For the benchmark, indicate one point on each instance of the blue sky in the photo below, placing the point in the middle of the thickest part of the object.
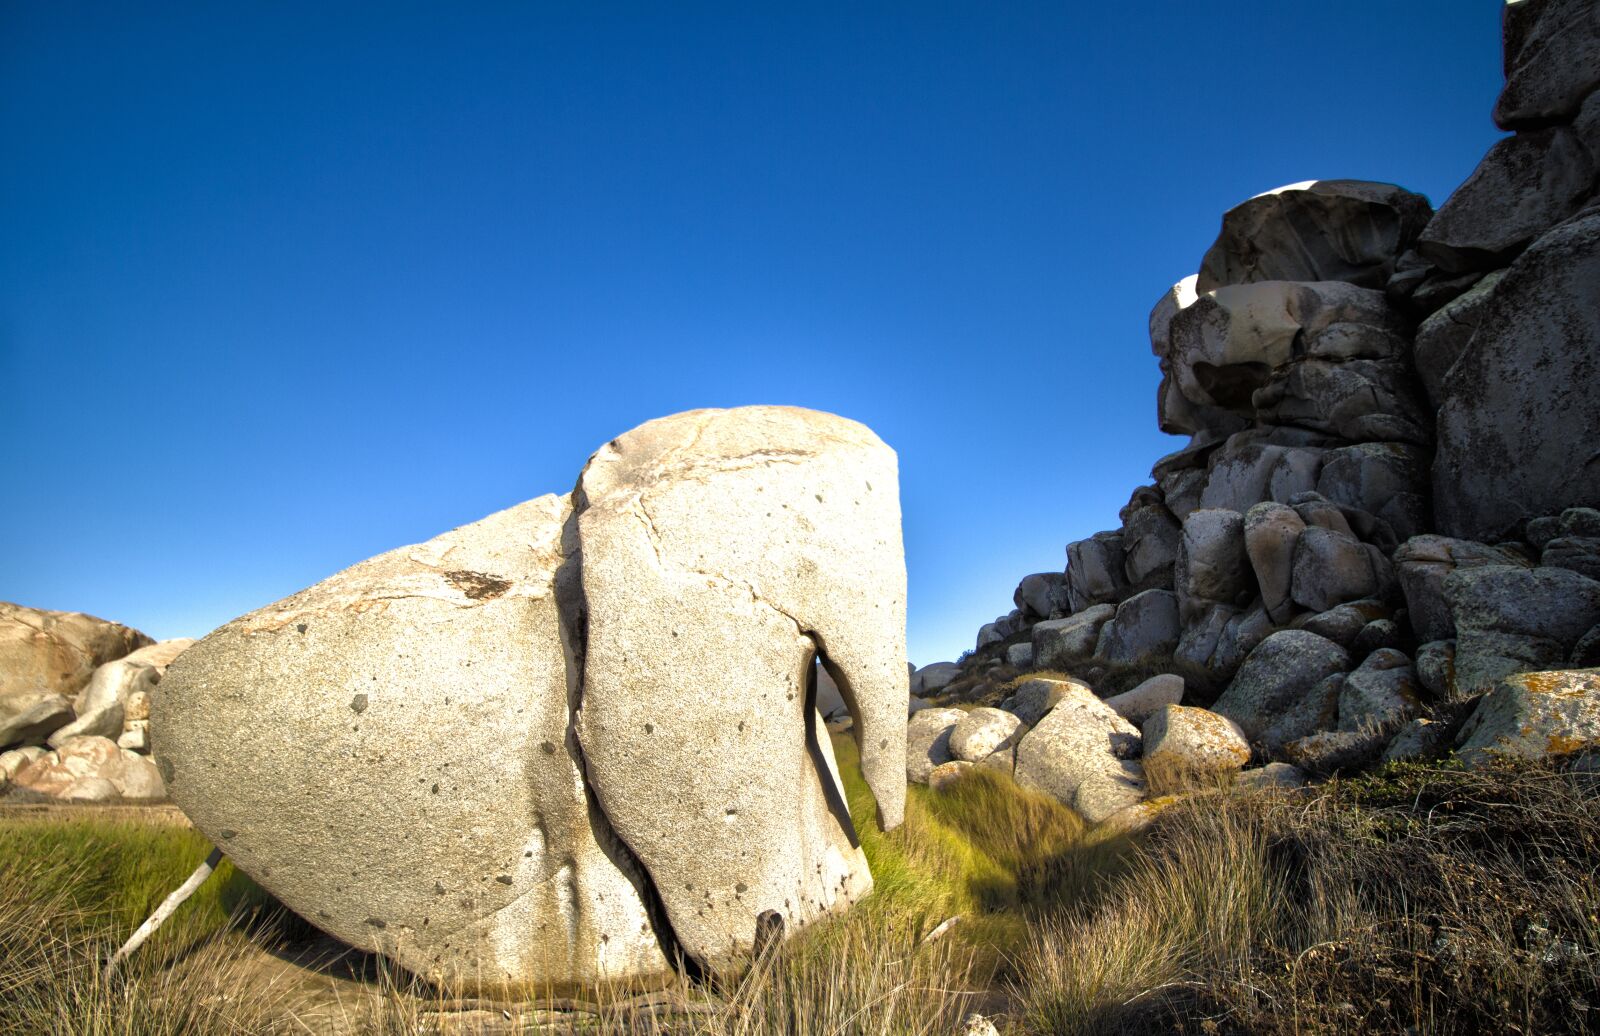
(286, 285)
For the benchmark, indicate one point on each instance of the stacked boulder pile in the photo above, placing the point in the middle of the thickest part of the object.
(1382, 538)
(75, 707)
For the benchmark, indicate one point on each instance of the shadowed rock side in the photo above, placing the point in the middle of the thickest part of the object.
(390, 754)
(722, 550)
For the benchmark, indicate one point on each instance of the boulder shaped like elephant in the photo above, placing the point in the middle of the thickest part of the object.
(574, 742)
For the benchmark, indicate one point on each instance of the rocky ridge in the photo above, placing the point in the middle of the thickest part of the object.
(1382, 537)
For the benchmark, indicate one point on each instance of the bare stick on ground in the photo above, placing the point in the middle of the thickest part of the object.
(165, 910)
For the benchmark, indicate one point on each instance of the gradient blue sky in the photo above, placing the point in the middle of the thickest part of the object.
(285, 285)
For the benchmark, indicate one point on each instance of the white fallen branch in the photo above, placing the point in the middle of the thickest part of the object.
(165, 910)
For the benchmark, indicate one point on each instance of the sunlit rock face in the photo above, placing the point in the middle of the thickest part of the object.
(500, 757)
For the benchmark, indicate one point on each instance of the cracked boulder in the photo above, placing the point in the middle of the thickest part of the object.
(721, 551)
(457, 838)
(570, 743)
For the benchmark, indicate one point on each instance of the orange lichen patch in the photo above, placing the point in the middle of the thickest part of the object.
(1562, 683)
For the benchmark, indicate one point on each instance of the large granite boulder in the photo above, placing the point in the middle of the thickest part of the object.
(1552, 61)
(46, 652)
(102, 705)
(721, 551)
(983, 732)
(1525, 185)
(1229, 343)
(1520, 421)
(1388, 480)
(1148, 698)
(1085, 755)
(1034, 698)
(1096, 571)
(1043, 595)
(29, 717)
(1276, 678)
(1062, 643)
(1534, 715)
(1381, 692)
(1331, 568)
(458, 839)
(1270, 532)
(1150, 537)
(1421, 565)
(1510, 619)
(1320, 230)
(1443, 337)
(549, 719)
(1144, 629)
(928, 741)
(1185, 746)
(89, 769)
(1211, 564)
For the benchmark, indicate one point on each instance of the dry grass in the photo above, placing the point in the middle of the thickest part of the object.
(1421, 900)
(1425, 899)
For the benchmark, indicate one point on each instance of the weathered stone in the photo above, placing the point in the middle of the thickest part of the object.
(17, 758)
(1357, 399)
(1331, 568)
(1378, 635)
(1246, 472)
(1033, 699)
(1520, 420)
(1183, 746)
(1335, 751)
(721, 550)
(1148, 698)
(1085, 755)
(1552, 61)
(435, 674)
(1095, 571)
(1581, 554)
(46, 652)
(1020, 656)
(101, 706)
(1436, 668)
(989, 633)
(1060, 643)
(1443, 337)
(1272, 777)
(1144, 629)
(82, 768)
(983, 732)
(28, 717)
(1043, 595)
(1174, 301)
(1389, 480)
(1343, 624)
(1534, 715)
(1275, 678)
(1320, 230)
(1211, 563)
(1380, 692)
(1319, 512)
(160, 654)
(1270, 532)
(1580, 522)
(1419, 739)
(1525, 185)
(135, 737)
(1421, 565)
(1586, 652)
(1315, 710)
(1150, 537)
(946, 774)
(1237, 339)
(935, 677)
(1511, 619)
(928, 741)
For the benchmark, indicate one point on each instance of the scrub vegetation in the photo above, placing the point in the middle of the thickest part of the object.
(1421, 899)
